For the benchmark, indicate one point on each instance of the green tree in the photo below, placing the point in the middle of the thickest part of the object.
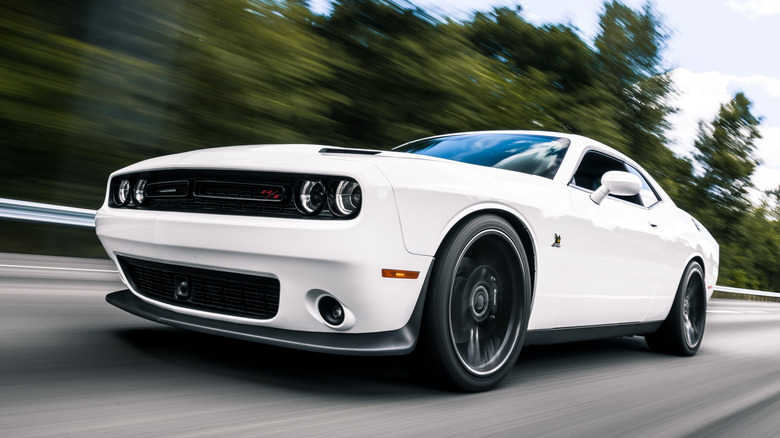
(763, 240)
(553, 71)
(89, 87)
(408, 75)
(630, 48)
(71, 111)
(725, 154)
(250, 72)
(86, 93)
(719, 196)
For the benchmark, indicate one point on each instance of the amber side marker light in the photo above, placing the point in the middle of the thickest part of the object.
(395, 273)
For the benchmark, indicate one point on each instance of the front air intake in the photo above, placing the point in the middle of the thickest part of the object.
(227, 293)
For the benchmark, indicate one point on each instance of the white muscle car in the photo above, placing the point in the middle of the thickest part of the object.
(459, 249)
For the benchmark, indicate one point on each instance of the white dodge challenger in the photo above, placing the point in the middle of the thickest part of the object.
(459, 249)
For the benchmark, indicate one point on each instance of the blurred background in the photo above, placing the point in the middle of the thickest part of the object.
(88, 86)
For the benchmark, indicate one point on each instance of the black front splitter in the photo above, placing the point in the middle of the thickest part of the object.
(396, 342)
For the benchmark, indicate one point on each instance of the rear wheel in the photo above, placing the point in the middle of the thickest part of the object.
(683, 330)
(477, 306)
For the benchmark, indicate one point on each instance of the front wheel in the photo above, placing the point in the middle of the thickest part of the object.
(477, 306)
(683, 330)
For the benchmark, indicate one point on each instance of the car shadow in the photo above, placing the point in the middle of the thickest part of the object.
(348, 375)
(265, 364)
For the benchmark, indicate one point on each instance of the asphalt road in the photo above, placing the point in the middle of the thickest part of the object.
(72, 365)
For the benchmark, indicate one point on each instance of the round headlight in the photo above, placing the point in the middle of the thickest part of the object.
(345, 198)
(311, 197)
(123, 192)
(139, 194)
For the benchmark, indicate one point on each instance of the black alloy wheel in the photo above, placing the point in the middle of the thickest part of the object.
(682, 331)
(477, 306)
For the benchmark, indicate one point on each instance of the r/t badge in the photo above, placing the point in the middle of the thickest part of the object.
(557, 243)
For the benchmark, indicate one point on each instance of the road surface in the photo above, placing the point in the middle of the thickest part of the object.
(72, 365)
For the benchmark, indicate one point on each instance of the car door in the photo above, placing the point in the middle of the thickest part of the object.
(613, 248)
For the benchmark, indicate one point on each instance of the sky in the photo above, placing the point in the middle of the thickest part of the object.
(716, 49)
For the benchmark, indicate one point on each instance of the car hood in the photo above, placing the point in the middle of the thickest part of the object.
(272, 157)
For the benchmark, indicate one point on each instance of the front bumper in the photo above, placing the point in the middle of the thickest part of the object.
(395, 342)
(310, 259)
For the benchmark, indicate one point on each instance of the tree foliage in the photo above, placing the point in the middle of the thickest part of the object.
(718, 193)
(725, 150)
(629, 51)
(87, 87)
(554, 72)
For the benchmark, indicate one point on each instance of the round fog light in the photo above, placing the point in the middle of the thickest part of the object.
(331, 310)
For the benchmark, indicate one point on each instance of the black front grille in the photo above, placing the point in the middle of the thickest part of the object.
(220, 192)
(208, 290)
(222, 206)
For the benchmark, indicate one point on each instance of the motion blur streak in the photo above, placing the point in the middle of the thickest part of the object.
(74, 366)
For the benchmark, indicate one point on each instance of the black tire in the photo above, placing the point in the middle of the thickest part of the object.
(477, 307)
(683, 330)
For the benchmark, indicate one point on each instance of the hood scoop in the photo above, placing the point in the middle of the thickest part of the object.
(349, 151)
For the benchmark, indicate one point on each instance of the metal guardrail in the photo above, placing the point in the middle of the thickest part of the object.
(37, 212)
(735, 290)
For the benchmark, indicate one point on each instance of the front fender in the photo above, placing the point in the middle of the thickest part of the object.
(433, 197)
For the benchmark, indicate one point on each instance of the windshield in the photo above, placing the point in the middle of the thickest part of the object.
(532, 154)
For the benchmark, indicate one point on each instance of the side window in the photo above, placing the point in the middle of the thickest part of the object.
(594, 165)
(648, 196)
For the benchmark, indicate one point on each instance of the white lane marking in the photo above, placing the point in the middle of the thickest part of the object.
(722, 311)
(52, 268)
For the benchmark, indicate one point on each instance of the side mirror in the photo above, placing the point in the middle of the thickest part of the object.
(616, 183)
